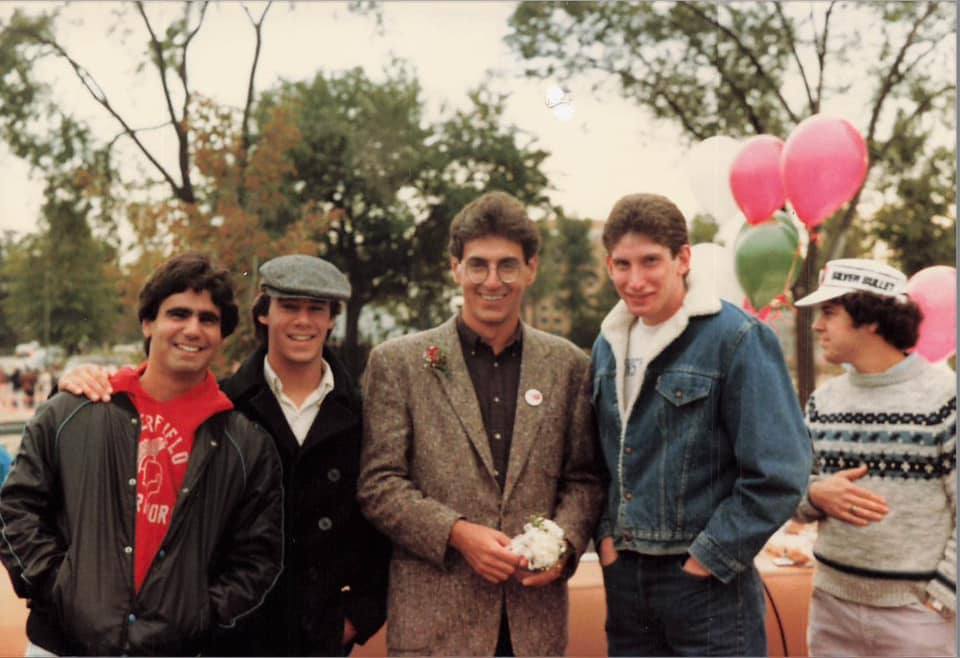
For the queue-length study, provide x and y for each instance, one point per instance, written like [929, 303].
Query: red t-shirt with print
[167, 431]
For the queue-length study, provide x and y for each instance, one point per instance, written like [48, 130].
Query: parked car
[788, 590]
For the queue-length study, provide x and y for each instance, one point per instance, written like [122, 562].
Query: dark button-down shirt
[496, 380]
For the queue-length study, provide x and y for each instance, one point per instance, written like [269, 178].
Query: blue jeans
[654, 608]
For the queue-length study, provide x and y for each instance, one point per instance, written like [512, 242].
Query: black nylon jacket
[67, 520]
[336, 562]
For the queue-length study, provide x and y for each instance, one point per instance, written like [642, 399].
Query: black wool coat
[335, 562]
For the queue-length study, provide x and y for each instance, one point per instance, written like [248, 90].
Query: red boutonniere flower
[433, 357]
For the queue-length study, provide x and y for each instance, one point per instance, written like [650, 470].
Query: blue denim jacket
[715, 456]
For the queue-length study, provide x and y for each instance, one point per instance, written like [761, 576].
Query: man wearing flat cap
[884, 499]
[332, 592]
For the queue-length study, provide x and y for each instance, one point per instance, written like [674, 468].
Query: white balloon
[708, 172]
[727, 233]
[720, 262]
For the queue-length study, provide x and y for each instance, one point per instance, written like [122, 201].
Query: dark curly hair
[898, 322]
[194, 272]
[652, 215]
[494, 214]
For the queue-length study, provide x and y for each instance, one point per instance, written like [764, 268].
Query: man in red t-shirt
[145, 524]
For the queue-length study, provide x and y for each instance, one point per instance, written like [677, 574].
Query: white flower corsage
[541, 543]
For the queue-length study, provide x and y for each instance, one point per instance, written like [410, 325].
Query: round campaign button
[533, 397]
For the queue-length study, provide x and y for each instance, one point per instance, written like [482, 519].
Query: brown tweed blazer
[426, 463]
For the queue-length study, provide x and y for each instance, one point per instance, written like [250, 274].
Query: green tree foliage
[742, 69]
[572, 277]
[343, 166]
[387, 182]
[918, 223]
[703, 228]
[62, 283]
[8, 338]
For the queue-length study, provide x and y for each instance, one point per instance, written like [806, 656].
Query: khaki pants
[844, 628]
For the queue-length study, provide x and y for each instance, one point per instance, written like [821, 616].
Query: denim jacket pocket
[682, 388]
[685, 420]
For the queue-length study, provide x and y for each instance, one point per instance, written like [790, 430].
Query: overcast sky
[610, 148]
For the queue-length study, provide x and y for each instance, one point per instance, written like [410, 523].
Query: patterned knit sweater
[903, 424]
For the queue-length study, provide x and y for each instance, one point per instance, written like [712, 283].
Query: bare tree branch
[157, 48]
[738, 91]
[123, 133]
[893, 77]
[791, 41]
[183, 154]
[182, 65]
[934, 44]
[97, 93]
[922, 107]
[762, 73]
[821, 47]
[627, 78]
[179, 127]
[248, 105]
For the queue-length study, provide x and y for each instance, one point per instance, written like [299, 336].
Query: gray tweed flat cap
[303, 277]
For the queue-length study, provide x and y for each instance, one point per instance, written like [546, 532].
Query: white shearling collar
[700, 299]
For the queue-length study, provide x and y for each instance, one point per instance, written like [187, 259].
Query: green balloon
[767, 259]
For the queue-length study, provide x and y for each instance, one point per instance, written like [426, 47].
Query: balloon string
[797, 259]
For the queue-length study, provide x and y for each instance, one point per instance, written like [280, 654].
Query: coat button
[628, 495]
[128, 549]
[132, 482]
[628, 450]
[333, 475]
[325, 523]
[131, 618]
[679, 395]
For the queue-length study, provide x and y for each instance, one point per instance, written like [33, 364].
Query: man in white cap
[884, 433]
[332, 593]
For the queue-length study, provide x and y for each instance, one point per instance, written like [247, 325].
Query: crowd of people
[287, 511]
[26, 388]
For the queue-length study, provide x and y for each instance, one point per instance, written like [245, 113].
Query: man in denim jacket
[704, 441]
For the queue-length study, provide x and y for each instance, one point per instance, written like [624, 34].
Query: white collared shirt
[299, 418]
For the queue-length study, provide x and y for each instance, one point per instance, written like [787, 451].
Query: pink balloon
[755, 178]
[824, 163]
[934, 289]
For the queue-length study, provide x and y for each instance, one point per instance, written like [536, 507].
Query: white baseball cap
[845, 275]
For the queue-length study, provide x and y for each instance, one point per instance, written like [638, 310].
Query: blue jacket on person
[714, 456]
[5, 461]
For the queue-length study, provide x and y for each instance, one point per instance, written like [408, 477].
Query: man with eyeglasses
[470, 429]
